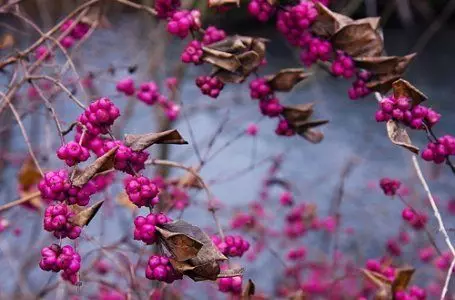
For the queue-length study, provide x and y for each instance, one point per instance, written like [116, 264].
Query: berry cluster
[231, 245]
[166, 8]
[261, 9]
[440, 150]
[270, 107]
[401, 109]
[286, 198]
[243, 220]
[73, 153]
[125, 158]
[79, 30]
[182, 22]
[414, 293]
[230, 285]
[141, 191]
[343, 65]
[159, 268]
[389, 186]
[359, 87]
[179, 198]
[213, 35]
[296, 254]
[42, 53]
[416, 220]
[66, 259]
[145, 227]
[193, 53]
[294, 21]
[284, 129]
[295, 225]
[378, 267]
[99, 116]
[148, 93]
[260, 89]
[57, 220]
[319, 49]
[210, 86]
[126, 86]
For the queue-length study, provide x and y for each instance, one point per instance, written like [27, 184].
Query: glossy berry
[73, 153]
[261, 9]
[126, 86]
[284, 129]
[271, 108]
[389, 186]
[294, 21]
[260, 89]
[42, 53]
[182, 22]
[230, 285]
[231, 245]
[57, 220]
[78, 31]
[141, 191]
[148, 93]
[343, 66]
[193, 53]
[54, 185]
[145, 227]
[99, 116]
[210, 86]
[286, 198]
[296, 254]
[213, 35]
[317, 49]
[159, 268]
[166, 8]
[359, 88]
[67, 42]
[125, 158]
[65, 259]
[439, 151]
[252, 129]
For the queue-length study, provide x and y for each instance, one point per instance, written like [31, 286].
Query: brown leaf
[233, 44]
[382, 83]
[190, 180]
[402, 279]
[249, 61]
[372, 21]
[385, 64]
[328, 22]
[231, 273]
[358, 40]
[139, 142]
[298, 113]
[382, 283]
[400, 137]
[402, 88]
[6, 41]
[217, 3]
[248, 290]
[84, 217]
[35, 202]
[286, 79]
[29, 174]
[305, 125]
[223, 60]
[101, 164]
[228, 77]
[181, 246]
[272, 2]
[313, 136]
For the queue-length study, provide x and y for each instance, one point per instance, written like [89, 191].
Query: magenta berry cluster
[141, 191]
[413, 218]
[65, 259]
[43, 53]
[297, 253]
[193, 53]
[270, 107]
[125, 158]
[166, 8]
[440, 150]
[343, 65]
[77, 33]
[402, 110]
[57, 220]
[359, 87]
[231, 245]
[145, 227]
[160, 268]
[286, 198]
[294, 21]
[230, 285]
[179, 198]
[252, 129]
[210, 86]
[182, 22]
[389, 186]
[213, 35]
[283, 128]
[261, 9]
[99, 116]
[73, 153]
[414, 293]
[126, 86]
[260, 89]
[148, 93]
[295, 225]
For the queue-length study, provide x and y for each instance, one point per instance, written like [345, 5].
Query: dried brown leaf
[387, 65]
[84, 217]
[402, 88]
[249, 61]
[190, 180]
[35, 202]
[139, 142]
[231, 273]
[101, 164]
[229, 77]
[217, 3]
[402, 279]
[382, 83]
[328, 22]
[233, 44]
[6, 41]
[182, 246]
[29, 174]
[298, 113]
[286, 79]
[400, 137]
[373, 21]
[223, 60]
[358, 40]
[248, 290]
[313, 136]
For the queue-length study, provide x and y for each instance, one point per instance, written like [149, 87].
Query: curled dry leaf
[402, 88]
[217, 3]
[101, 164]
[248, 290]
[6, 41]
[383, 284]
[358, 40]
[298, 113]
[400, 137]
[83, 217]
[373, 21]
[402, 278]
[181, 246]
[205, 265]
[286, 79]
[385, 64]
[28, 175]
[139, 142]
[328, 22]
[231, 273]
[223, 60]
[382, 83]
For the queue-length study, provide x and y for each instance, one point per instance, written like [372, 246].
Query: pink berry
[213, 35]
[252, 129]
[73, 153]
[166, 8]
[159, 268]
[57, 220]
[145, 227]
[231, 245]
[99, 116]
[141, 191]
[261, 10]
[260, 89]
[210, 86]
[193, 53]
[126, 86]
